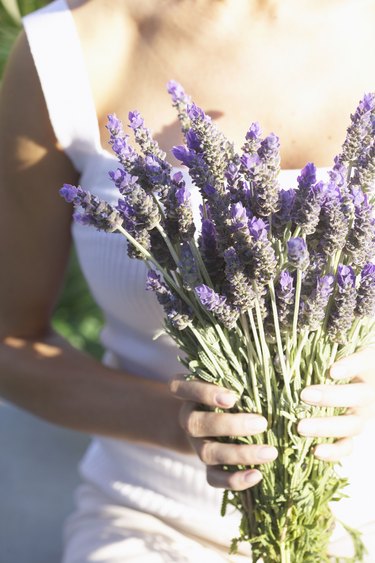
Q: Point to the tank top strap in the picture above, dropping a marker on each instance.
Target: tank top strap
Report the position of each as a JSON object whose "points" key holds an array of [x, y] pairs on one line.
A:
{"points": [[56, 49]]}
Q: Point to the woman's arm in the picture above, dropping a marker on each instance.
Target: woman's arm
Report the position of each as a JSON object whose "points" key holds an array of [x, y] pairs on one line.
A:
{"points": [[39, 371]]}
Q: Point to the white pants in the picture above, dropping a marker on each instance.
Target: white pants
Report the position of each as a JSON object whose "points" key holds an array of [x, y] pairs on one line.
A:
{"points": [[101, 531]]}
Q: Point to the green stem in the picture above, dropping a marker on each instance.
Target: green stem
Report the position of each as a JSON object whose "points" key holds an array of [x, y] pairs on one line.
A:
{"points": [[254, 382], [255, 334], [286, 375], [296, 305], [201, 265], [211, 356], [168, 243], [265, 358]]}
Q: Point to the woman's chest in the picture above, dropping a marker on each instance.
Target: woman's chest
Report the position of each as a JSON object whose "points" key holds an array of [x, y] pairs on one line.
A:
{"points": [[299, 77]]}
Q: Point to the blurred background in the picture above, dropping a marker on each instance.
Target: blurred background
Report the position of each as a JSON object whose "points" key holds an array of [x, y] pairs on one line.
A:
{"points": [[38, 461]]}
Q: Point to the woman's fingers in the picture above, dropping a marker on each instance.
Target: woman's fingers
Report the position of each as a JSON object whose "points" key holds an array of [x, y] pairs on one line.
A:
{"points": [[218, 453], [334, 452], [331, 426], [200, 424], [203, 393], [360, 364], [351, 395], [236, 481]]}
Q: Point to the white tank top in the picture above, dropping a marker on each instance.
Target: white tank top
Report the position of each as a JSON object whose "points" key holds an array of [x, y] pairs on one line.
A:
{"points": [[153, 479]]}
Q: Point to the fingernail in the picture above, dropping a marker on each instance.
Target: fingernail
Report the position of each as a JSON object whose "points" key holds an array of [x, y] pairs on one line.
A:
{"points": [[268, 453], [256, 424], [252, 477], [314, 396], [305, 428], [225, 399]]}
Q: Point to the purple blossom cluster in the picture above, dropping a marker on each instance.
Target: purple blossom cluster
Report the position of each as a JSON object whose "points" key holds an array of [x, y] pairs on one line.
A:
{"points": [[314, 242]]}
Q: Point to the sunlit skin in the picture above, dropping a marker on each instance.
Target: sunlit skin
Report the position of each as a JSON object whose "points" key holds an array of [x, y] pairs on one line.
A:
{"points": [[285, 64]]}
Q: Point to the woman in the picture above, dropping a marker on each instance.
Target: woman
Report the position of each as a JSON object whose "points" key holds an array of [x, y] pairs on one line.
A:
{"points": [[299, 69]]}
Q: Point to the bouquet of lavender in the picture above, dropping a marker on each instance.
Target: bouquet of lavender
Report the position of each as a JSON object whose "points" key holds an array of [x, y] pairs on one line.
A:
{"points": [[262, 297]]}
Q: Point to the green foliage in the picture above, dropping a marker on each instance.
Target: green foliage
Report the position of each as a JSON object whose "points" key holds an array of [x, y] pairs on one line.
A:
{"points": [[76, 317]]}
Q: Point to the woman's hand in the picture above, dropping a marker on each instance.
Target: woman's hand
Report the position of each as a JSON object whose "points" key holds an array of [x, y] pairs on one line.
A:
{"points": [[203, 427], [358, 396]]}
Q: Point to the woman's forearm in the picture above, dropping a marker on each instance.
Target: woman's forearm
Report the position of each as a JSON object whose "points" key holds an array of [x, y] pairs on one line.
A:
{"points": [[53, 380]]}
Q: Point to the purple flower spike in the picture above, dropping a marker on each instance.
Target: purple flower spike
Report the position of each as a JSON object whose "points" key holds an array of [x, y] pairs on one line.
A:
{"points": [[183, 154], [176, 91], [286, 282], [69, 192], [308, 176], [298, 254], [135, 119], [285, 299], [114, 125], [192, 140], [366, 292], [345, 277], [152, 281], [217, 305], [209, 190], [367, 103], [183, 195], [196, 113], [254, 133], [209, 299], [368, 271], [344, 305], [325, 285], [250, 161], [258, 228], [238, 216], [269, 146]]}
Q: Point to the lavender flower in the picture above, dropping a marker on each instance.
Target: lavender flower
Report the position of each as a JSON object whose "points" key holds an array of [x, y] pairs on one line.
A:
{"points": [[143, 136], [315, 306], [307, 178], [208, 247], [253, 139], [241, 294], [361, 240], [298, 255], [263, 263], [285, 213], [216, 304], [99, 214], [178, 211], [178, 315], [180, 101], [208, 152], [342, 313], [119, 142], [140, 207], [285, 292], [184, 212], [188, 267], [366, 292], [364, 172], [334, 223], [263, 176], [360, 132], [307, 215]]}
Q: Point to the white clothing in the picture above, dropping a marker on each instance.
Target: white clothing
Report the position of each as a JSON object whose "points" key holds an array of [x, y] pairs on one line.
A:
{"points": [[157, 481]]}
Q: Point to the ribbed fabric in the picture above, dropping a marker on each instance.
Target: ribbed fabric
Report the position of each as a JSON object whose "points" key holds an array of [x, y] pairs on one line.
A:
{"points": [[153, 479]]}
